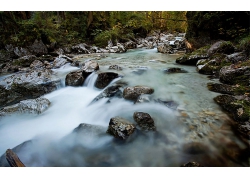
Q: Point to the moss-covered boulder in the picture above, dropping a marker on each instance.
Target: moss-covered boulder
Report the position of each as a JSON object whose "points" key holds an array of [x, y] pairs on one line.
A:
{"points": [[24, 61], [224, 47], [229, 89]]}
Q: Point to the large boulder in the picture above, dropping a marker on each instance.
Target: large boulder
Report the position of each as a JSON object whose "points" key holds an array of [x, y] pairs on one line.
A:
{"points": [[104, 79], [208, 66], [225, 47], [132, 93], [235, 75], [174, 70], [120, 128], [191, 59], [236, 57], [38, 48], [228, 89], [24, 61], [80, 49], [165, 48], [19, 51], [130, 45], [59, 62], [144, 121], [74, 78], [89, 67], [37, 65], [28, 85], [34, 106]]}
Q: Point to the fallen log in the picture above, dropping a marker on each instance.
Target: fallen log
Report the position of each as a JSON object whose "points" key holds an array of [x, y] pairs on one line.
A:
{"points": [[13, 159]]}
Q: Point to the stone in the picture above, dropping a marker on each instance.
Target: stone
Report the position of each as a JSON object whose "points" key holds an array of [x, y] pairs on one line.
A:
{"points": [[74, 78], [89, 67], [80, 49], [120, 128], [130, 45], [132, 93], [24, 61], [104, 79], [144, 121], [228, 89], [37, 65], [174, 70], [59, 62], [191, 59], [224, 47], [191, 164], [115, 67], [38, 48], [236, 57]]}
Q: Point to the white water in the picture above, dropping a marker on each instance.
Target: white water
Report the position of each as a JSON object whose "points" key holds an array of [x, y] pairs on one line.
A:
{"points": [[53, 143]]}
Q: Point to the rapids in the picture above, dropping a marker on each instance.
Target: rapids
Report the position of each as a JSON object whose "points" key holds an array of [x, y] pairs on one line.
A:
{"points": [[198, 130]]}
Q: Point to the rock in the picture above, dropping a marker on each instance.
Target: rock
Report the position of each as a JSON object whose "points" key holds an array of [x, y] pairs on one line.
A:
{"points": [[120, 128], [169, 103], [59, 62], [38, 48], [13, 159], [174, 70], [37, 65], [80, 49], [224, 47], [191, 164], [24, 61], [6, 56], [236, 57], [115, 67], [190, 59], [235, 75], [244, 128], [132, 93], [112, 91], [8, 68], [28, 85], [74, 79], [238, 106], [165, 48], [130, 45], [33, 106], [20, 52], [46, 57], [89, 67], [143, 98], [195, 148], [228, 89], [140, 70], [104, 79], [208, 67], [145, 121], [88, 130]]}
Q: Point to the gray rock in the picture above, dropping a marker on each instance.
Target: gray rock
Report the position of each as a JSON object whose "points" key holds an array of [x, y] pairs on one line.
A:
{"points": [[224, 47], [236, 57], [80, 49], [59, 62], [38, 48], [74, 79], [130, 45], [104, 79], [24, 61], [19, 51], [115, 67], [37, 65], [144, 121], [33, 106], [174, 70], [120, 128], [191, 59], [165, 48], [89, 67], [28, 85], [132, 93]]}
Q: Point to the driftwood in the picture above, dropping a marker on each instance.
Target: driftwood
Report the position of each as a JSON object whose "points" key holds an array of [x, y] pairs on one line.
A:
{"points": [[13, 159]]}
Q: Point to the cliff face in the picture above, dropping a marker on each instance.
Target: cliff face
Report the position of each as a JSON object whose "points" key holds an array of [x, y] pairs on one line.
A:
{"points": [[206, 26]]}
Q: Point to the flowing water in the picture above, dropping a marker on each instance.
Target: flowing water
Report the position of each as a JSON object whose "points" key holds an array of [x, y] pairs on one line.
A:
{"points": [[195, 130]]}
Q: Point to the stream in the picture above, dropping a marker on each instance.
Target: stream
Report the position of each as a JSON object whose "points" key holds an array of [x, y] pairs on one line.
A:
{"points": [[196, 130]]}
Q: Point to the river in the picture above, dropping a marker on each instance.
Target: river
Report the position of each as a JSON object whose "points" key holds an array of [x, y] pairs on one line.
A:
{"points": [[196, 129]]}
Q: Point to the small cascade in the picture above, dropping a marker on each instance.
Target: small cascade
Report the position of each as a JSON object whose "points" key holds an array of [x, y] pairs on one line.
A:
{"points": [[90, 81]]}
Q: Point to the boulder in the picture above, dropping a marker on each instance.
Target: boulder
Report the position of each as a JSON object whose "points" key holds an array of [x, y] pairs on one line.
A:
{"points": [[225, 47], [174, 70], [37, 65], [115, 67], [28, 85], [236, 57], [244, 128], [238, 106], [144, 121], [24, 61], [120, 128], [74, 79], [191, 164], [191, 59], [80, 49], [130, 45], [235, 75], [33, 106], [165, 48], [19, 51], [89, 67], [104, 79], [87, 130], [228, 89], [132, 93], [38, 48], [168, 103], [208, 66], [59, 62]]}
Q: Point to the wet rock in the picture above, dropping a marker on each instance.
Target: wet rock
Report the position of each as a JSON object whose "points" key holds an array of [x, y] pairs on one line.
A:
{"points": [[140, 70], [104, 79], [165, 48], [144, 121], [33, 106], [244, 128], [143, 98], [60, 61], [130, 45], [236, 57], [191, 59], [19, 51], [80, 49], [169, 103], [195, 148], [174, 70], [13, 159], [132, 93], [228, 89], [24, 61], [28, 85], [6, 56], [238, 106], [235, 75], [115, 67], [208, 66], [38, 48], [74, 79], [46, 57], [111, 91], [224, 47], [120, 128], [89, 130], [191, 164], [37, 65], [89, 67]]}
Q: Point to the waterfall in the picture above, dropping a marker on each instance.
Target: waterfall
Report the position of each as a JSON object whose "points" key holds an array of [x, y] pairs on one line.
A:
{"points": [[90, 81]]}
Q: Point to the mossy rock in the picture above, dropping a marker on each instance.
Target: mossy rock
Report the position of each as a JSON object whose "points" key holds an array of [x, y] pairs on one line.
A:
{"points": [[229, 89]]}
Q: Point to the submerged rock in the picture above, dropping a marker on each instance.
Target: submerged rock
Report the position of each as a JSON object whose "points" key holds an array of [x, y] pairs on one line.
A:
{"points": [[144, 121], [104, 79], [174, 70], [169, 103], [120, 128], [115, 67], [27, 86], [34, 106], [74, 78], [132, 93]]}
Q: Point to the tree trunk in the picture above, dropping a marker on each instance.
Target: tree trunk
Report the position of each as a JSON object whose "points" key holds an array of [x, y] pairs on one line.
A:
{"points": [[13, 159]]}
